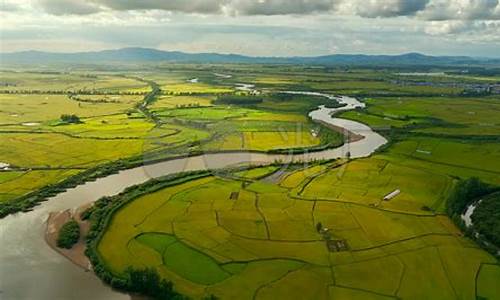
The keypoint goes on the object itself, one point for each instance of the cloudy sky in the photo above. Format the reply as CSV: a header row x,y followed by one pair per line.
x,y
255,27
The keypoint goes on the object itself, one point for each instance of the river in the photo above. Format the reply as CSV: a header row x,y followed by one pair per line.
x,y
30,269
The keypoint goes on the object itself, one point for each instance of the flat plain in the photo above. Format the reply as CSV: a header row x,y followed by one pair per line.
x,y
317,231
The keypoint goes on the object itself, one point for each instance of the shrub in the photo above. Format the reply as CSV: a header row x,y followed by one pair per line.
x,y
70,119
68,235
148,282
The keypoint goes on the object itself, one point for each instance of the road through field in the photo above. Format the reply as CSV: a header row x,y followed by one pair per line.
x,y
30,269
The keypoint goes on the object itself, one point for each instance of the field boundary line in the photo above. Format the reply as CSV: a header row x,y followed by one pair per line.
x,y
446,272
366,291
276,280
257,198
402,240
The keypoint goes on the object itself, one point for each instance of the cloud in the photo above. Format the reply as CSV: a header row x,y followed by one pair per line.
x,y
489,30
9,6
69,7
426,10
280,7
193,6
384,8
440,10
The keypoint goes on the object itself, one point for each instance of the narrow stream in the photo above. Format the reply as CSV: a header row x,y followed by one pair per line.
x,y
30,269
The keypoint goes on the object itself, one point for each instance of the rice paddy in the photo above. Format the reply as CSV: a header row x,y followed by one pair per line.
x,y
260,240
319,231
181,119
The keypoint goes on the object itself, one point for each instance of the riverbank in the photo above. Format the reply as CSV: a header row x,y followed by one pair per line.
x,y
54,223
349,136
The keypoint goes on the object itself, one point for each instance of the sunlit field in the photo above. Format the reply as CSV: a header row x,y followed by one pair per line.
x,y
259,240
323,230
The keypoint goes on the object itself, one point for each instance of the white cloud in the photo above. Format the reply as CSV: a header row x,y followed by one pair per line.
x,y
424,9
440,10
279,7
383,8
466,30
69,7
193,6
257,27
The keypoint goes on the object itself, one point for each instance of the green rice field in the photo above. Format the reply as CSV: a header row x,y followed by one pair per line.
x,y
259,240
318,230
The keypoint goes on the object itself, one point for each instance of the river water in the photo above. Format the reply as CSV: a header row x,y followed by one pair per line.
x,y
31,270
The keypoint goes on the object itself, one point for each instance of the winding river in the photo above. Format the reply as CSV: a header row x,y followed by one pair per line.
x,y
30,269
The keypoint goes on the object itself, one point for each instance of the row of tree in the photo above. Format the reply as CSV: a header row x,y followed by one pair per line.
x,y
485,229
73,92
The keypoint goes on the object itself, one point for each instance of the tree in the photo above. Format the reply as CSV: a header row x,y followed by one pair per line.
x,y
149,283
68,235
71,119
319,226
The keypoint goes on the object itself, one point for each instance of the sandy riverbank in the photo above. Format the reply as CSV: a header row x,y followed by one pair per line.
x,y
54,223
76,254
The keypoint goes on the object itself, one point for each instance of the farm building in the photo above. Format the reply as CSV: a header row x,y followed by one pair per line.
x,y
392,195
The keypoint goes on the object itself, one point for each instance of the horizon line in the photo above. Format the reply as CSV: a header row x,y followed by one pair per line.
x,y
238,54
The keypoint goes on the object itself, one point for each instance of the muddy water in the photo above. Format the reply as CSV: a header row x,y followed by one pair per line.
x,y
29,269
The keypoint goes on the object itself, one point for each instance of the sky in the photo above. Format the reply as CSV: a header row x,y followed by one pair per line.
x,y
255,27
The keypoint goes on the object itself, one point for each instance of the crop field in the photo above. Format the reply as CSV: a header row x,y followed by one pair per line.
x,y
182,101
18,109
196,88
16,184
443,115
447,156
59,81
323,230
262,141
52,150
367,181
260,240
112,125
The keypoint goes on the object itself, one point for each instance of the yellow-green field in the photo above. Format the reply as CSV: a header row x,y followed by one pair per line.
x,y
15,109
451,116
74,82
179,101
260,241
16,184
255,234
113,127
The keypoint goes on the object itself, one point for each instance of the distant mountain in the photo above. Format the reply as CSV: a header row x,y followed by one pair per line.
x,y
137,55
